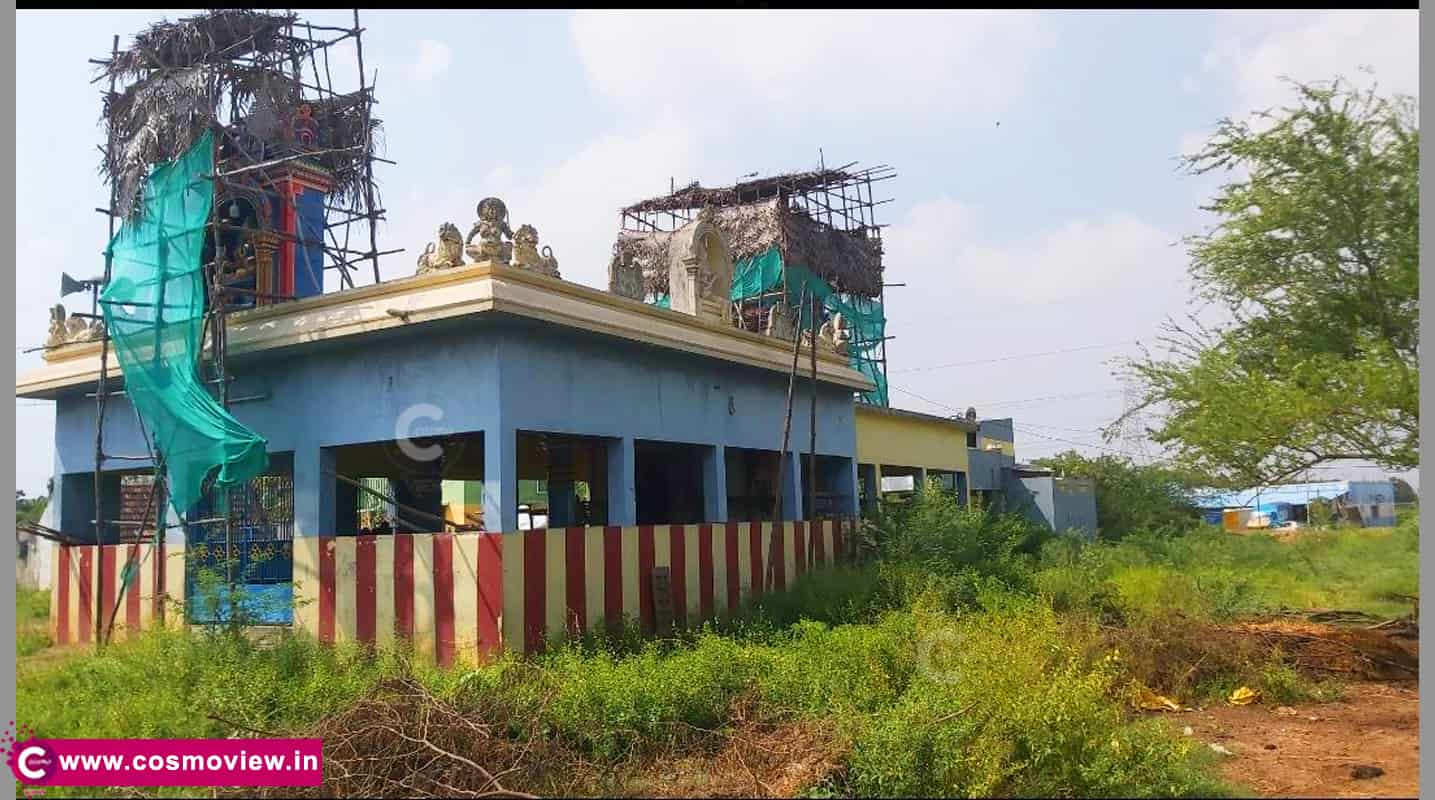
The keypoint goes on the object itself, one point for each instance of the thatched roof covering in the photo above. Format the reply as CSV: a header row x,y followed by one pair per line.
x,y
181,73
209,38
849,262
696,196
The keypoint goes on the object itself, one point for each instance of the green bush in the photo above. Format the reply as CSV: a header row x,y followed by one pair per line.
x,y
1208,573
1131,498
934,542
32,621
1017,706
169,684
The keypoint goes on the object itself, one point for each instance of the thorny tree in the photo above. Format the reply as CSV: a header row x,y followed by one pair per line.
x,y
1315,260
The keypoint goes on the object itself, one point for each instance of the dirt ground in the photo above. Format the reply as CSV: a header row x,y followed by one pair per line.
x,y
1311,750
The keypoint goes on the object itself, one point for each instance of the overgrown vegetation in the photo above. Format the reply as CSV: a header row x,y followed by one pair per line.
x,y
32,621
970,654
1132,498
29,509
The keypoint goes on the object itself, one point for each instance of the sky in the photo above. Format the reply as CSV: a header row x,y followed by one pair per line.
x,y
1035,220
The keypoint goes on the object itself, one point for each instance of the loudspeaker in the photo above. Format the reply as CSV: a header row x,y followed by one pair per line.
x,y
69,285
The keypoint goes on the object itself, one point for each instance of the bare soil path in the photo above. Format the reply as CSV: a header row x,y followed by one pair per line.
x,y
1312,750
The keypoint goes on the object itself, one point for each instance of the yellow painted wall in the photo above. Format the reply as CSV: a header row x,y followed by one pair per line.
x,y
909,442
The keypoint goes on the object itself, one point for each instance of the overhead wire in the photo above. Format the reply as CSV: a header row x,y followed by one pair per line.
x,y
1014,357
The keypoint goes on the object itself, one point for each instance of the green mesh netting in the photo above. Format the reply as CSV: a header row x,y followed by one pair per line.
x,y
154,309
752,277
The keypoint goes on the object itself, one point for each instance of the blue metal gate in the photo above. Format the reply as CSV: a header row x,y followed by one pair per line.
x,y
259,555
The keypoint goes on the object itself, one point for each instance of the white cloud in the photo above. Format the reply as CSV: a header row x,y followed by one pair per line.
x,y
574,204
1107,279
943,241
767,67
432,60
1258,49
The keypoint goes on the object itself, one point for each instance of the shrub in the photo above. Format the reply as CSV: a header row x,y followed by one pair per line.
x,y
965,548
32,621
1017,707
171,684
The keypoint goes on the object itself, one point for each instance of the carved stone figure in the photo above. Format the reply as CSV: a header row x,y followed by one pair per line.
x,y
57,326
625,275
491,228
76,329
96,330
526,254
700,279
780,322
525,248
835,333
550,264
446,254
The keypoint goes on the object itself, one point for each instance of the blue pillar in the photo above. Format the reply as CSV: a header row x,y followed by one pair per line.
x,y
500,479
844,479
792,487
869,483
314,491
562,504
622,482
715,484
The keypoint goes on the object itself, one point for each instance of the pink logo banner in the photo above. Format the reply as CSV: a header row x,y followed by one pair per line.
x,y
167,762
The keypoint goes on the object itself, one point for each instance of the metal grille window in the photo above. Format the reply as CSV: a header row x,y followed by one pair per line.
x,y
261,532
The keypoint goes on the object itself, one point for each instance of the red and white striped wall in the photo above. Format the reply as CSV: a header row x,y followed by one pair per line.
x,y
461,597
86,580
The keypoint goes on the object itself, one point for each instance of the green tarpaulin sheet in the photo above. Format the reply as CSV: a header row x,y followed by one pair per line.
x,y
154,310
764,273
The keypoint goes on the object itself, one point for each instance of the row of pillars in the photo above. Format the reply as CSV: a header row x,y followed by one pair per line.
x,y
317,495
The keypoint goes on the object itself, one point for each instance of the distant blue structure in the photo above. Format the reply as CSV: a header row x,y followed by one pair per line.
x,y
1371,503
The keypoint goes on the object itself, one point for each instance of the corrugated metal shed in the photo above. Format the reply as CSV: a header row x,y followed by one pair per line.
x,y
1262,496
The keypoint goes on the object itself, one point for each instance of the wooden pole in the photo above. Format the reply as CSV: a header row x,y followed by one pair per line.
x,y
368,151
810,510
770,578
100,393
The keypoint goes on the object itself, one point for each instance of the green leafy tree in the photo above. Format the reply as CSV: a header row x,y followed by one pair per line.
x,y
1404,492
1314,258
1131,498
29,509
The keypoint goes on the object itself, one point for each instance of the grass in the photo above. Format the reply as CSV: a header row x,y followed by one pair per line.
x,y
32,621
1212,574
970,656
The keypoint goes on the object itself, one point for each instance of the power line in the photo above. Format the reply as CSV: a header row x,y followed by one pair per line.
x,y
1059,428
1013,357
1015,427
1070,441
1000,403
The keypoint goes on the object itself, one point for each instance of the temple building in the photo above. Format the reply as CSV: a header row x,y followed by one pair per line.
x,y
478,455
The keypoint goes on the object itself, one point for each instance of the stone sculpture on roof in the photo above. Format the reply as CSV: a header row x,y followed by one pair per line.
x,y
491,229
446,253
527,256
625,275
701,270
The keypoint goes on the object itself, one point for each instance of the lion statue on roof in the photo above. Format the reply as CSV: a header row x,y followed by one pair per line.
x,y
446,254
